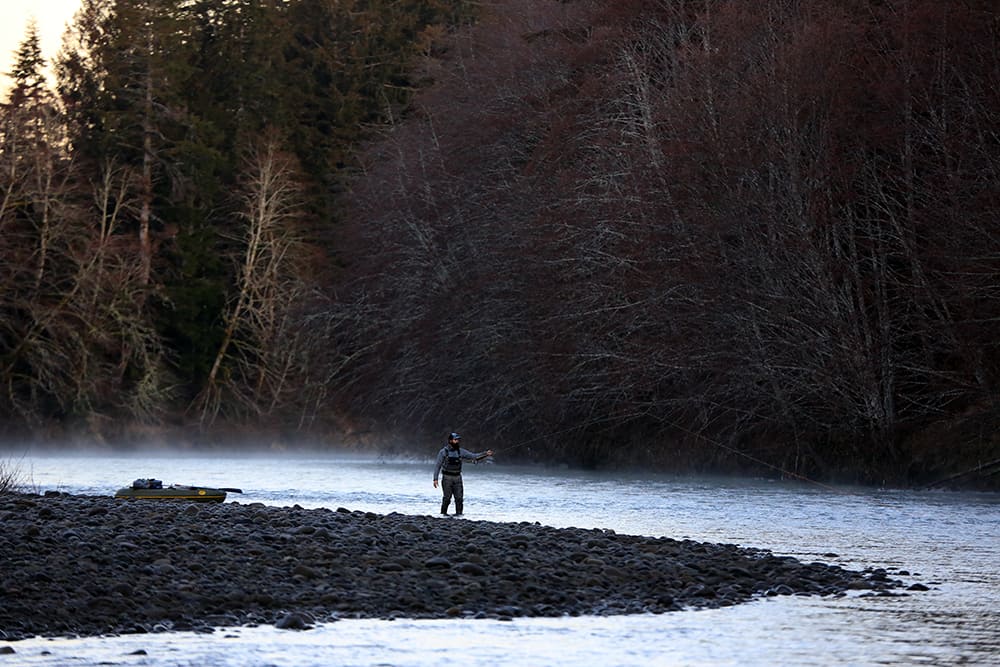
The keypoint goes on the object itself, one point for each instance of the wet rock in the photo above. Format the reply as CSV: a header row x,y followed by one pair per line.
x,y
470,568
305,571
391,566
293,621
79,565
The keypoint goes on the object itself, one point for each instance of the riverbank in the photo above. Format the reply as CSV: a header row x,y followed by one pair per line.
x,y
87,565
960,454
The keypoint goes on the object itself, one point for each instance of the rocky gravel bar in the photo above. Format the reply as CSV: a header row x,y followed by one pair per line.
x,y
88,565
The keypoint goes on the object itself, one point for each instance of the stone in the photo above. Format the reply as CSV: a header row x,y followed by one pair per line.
x,y
137,567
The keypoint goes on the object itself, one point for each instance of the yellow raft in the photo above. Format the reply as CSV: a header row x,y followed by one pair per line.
x,y
151,489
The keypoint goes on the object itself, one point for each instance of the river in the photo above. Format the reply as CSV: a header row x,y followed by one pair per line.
x,y
949,541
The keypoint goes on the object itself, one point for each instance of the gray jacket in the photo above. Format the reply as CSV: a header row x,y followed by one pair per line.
x,y
464,453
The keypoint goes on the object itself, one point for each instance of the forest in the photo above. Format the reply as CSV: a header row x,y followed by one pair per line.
x,y
683,235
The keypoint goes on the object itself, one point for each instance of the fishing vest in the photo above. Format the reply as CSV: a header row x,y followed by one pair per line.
x,y
452,462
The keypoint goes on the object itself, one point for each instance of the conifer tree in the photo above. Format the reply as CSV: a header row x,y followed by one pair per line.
x,y
29,69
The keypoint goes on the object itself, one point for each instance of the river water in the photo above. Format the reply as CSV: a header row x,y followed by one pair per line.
x,y
948,541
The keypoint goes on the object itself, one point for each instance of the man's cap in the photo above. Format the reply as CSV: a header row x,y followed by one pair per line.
x,y
454,436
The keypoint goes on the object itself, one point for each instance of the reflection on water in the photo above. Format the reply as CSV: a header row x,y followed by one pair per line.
x,y
949,538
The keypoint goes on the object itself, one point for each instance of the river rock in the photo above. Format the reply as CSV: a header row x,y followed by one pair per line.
x,y
90,565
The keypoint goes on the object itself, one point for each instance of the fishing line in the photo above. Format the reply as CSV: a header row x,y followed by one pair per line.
x,y
707,439
541,437
760,461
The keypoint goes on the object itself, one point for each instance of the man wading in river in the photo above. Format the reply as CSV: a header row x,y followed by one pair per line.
x,y
449,465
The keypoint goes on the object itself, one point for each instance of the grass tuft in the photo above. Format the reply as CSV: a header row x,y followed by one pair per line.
x,y
12,478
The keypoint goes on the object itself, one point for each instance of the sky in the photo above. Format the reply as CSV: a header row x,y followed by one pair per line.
x,y
52,17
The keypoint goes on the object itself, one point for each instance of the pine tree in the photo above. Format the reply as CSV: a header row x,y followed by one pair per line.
x,y
29,69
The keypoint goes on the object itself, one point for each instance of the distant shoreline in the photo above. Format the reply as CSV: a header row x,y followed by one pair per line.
x,y
970,472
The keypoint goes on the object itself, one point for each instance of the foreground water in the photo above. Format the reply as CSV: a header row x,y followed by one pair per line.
x,y
950,541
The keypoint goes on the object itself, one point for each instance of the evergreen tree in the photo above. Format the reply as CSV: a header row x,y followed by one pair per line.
x,y
31,151
124,76
29,69
175,91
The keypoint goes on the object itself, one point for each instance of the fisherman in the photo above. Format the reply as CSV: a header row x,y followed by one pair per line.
x,y
449,465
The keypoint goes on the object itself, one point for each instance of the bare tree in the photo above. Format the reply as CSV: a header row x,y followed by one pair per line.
x,y
259,362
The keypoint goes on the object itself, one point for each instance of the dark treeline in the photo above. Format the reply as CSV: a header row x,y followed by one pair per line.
x,y
168,214
670,230
693,234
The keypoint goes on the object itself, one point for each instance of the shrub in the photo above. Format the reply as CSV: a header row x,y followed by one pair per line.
x,y
11,477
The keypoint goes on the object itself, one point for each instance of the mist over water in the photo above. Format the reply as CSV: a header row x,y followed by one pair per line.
x,y
949,541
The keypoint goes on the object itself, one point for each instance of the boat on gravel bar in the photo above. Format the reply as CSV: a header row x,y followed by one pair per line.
x,y
153,489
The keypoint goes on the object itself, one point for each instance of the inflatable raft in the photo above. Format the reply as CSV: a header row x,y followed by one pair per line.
x,y
153,489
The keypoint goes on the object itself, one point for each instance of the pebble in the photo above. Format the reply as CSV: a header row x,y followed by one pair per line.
x,y
94,565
